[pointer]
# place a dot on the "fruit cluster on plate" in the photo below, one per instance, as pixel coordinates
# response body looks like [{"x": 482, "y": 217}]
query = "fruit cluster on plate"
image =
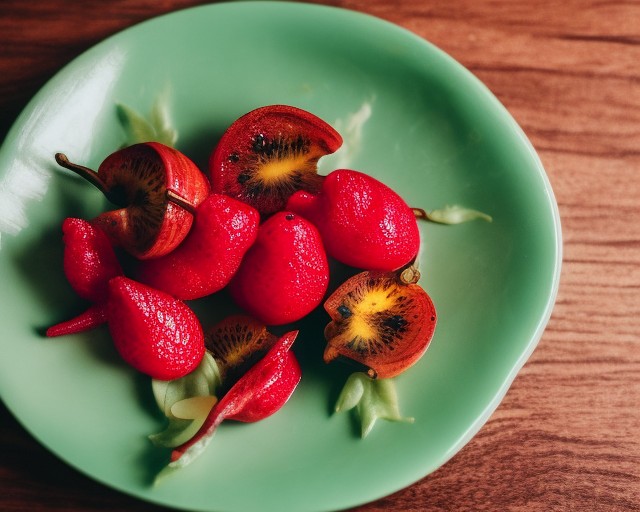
[{"x": 263, "y": 225}]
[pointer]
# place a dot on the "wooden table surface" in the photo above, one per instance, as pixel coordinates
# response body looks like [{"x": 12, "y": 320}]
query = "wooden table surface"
[{"x": 567, "y": 435}]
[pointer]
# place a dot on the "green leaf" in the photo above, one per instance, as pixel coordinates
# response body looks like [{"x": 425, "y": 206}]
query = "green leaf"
[
  {"x": 203, "y": 381},
  {"x": 178, "y": 432},
  {"x": 191, "y": 454},
  {"x": 351, "y": 393},
  {"x": 194, "y": 407},
  {"x": 453, "y": 215},
  {"x": 161, "y": 124},
  {"x": 373, "y": 399},
  {"x": 140, "y": 129},
  {"x": 191, "y": 397}
]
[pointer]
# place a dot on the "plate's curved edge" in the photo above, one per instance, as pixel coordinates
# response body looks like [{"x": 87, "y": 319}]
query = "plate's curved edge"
[{"x": 544, "y": 319}]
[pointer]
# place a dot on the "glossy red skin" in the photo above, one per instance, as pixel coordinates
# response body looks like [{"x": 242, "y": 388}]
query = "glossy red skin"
[
  {"x": 258, "y": 394},
  {"x": 363, "y": 222},
  {"x": 182, "y": 176},
  {"x": 89, "y": 261},
  {"x": 268, "y": 121},
  {"x": 89, "y": 264},
  {"x": 155, "y": 333},
  {"x": 222, "y": 232},
  {"x": 415, "y": 340},
  {"x": 89, "y": 319},
  {"x": 285, "y": 274}
]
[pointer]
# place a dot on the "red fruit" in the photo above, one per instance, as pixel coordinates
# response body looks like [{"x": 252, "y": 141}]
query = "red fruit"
[
  {"x": 93, "y": 317},
  {"x": 89, "y": 261},
  {"x": 285, "y": 274},
  {"x": 236, "y": 342},
  {"x": 269, "y": 153},
  {"x": 259, "y": 393},
  {"x": 157, "y": 188},
  {"x": 155, "y": 333},
  {"x": 363, "y": 222},
  {"x": 89, "y": 264},
  {"x": 380, "y": 319},
  {"x": 205, "y": 262}
]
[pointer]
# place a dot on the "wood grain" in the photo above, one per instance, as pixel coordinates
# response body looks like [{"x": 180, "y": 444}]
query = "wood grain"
[{"x": 566, "y": 437}]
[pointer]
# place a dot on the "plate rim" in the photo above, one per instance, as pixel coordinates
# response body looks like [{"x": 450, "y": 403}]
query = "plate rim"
[{"x": 489, "y": 96}]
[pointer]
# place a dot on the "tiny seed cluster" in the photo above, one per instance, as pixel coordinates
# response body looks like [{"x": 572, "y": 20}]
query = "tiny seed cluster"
[
  {"x": 375, "y": 316},
  {"x": 276, "y": 166}
]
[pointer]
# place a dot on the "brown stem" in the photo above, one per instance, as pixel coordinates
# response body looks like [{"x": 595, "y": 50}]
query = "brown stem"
[
  {"x": 421, "y": 214},
  {"x": 181, "y": 201},
  {"x": 88, "y": 174},
  {"x": 409, "y": 275}
]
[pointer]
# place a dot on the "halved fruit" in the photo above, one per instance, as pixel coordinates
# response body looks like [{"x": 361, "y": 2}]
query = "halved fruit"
[
  {"x": 156, "y": 189},
  {"x": 384, "y": 321},
  {"x": 237, "y": 342},
  {"x": 270, "y": 153}
]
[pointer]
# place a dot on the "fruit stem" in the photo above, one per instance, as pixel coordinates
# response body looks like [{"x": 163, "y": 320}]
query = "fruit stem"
[
  {"x": 92, "y": 177},
  {"x": 181, "y": 201},
  {"x": 409, "y": 275},
  {"x": 88, "y": 174},
  {"x": 421, "y": 213}
]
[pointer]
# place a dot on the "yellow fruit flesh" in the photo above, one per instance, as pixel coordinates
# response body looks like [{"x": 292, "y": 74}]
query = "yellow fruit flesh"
[
  {"x": 360, "y": 330},
  {"x": 274, "y": 171}
]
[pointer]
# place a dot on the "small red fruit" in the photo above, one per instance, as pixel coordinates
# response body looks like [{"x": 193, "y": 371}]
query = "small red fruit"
[
  {"x": 269, "y": 153},
  {"x": 363, "y": 222},
  {"x": 222, "y": 232},
  {"x": 259, "y": 393},
  {"x": 157, "y": 189},
  {"x": 89, "y": 264},
  {"x": 285, "y": 274},
  {"x": 153, "y": 332},
  {"x": 383, "y": 320}
]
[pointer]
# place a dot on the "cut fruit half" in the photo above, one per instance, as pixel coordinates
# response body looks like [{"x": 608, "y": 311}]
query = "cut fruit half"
[
  {"x": 237, "y": 342},
  {"x": 156, "y": 189},
  {"x": 270, "y": 153},
  {"x": 381, "y": 321}
]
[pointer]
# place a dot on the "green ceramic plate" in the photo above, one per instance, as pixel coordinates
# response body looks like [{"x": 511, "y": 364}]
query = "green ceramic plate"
[{"x": 412, "y": 117}]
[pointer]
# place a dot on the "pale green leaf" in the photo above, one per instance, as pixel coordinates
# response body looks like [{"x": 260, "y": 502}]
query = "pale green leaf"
[
  {"x": 187, "y": 457},
  {"x": 373, "y": 399},
  {"x": 177, "y": 432},
  {"x": 137, "y": 128},
  {"x": 203, "y": 381},
  {"x": 351, "y": 393},
  {"x": 194, "y": 407},
  {"x": 161, "y": 124},
  {"x": 191, "y": 397},
  {"x": 156, "y": 128}
]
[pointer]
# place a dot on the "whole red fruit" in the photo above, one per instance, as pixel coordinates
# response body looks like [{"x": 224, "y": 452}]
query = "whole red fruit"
[
  {"x": 363, "y": 222},
  {"x": 285, "y": 274},
  {"x": 155, "y": 333},
  {"x": 223, "y": 229}
]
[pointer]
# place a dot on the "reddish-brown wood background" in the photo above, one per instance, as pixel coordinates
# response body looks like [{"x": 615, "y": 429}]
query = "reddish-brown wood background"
[{"x": 567, "y": 436}]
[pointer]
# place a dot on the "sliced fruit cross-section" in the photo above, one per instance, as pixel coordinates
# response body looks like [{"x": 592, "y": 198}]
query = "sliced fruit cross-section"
[
  {"x": 269, "y": 153},
  {"x": 379, "y": 321}
]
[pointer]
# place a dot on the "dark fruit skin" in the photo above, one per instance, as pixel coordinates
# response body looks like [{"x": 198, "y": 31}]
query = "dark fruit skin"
[
  {"x": 380, "y": 322},
  {"x": 259, "y": 393},
  {"x": 236, "y": 341},
  {"x": 89, "y": 264},
  {"x": 363, "y": 222},
  {"x": 155, "y": 333},
  {"x": 268, "y": 154},
  {"x": 157, "y": 189},
  {"x": 285, "y": 274},
  {"x": 222, "y": 232}
]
